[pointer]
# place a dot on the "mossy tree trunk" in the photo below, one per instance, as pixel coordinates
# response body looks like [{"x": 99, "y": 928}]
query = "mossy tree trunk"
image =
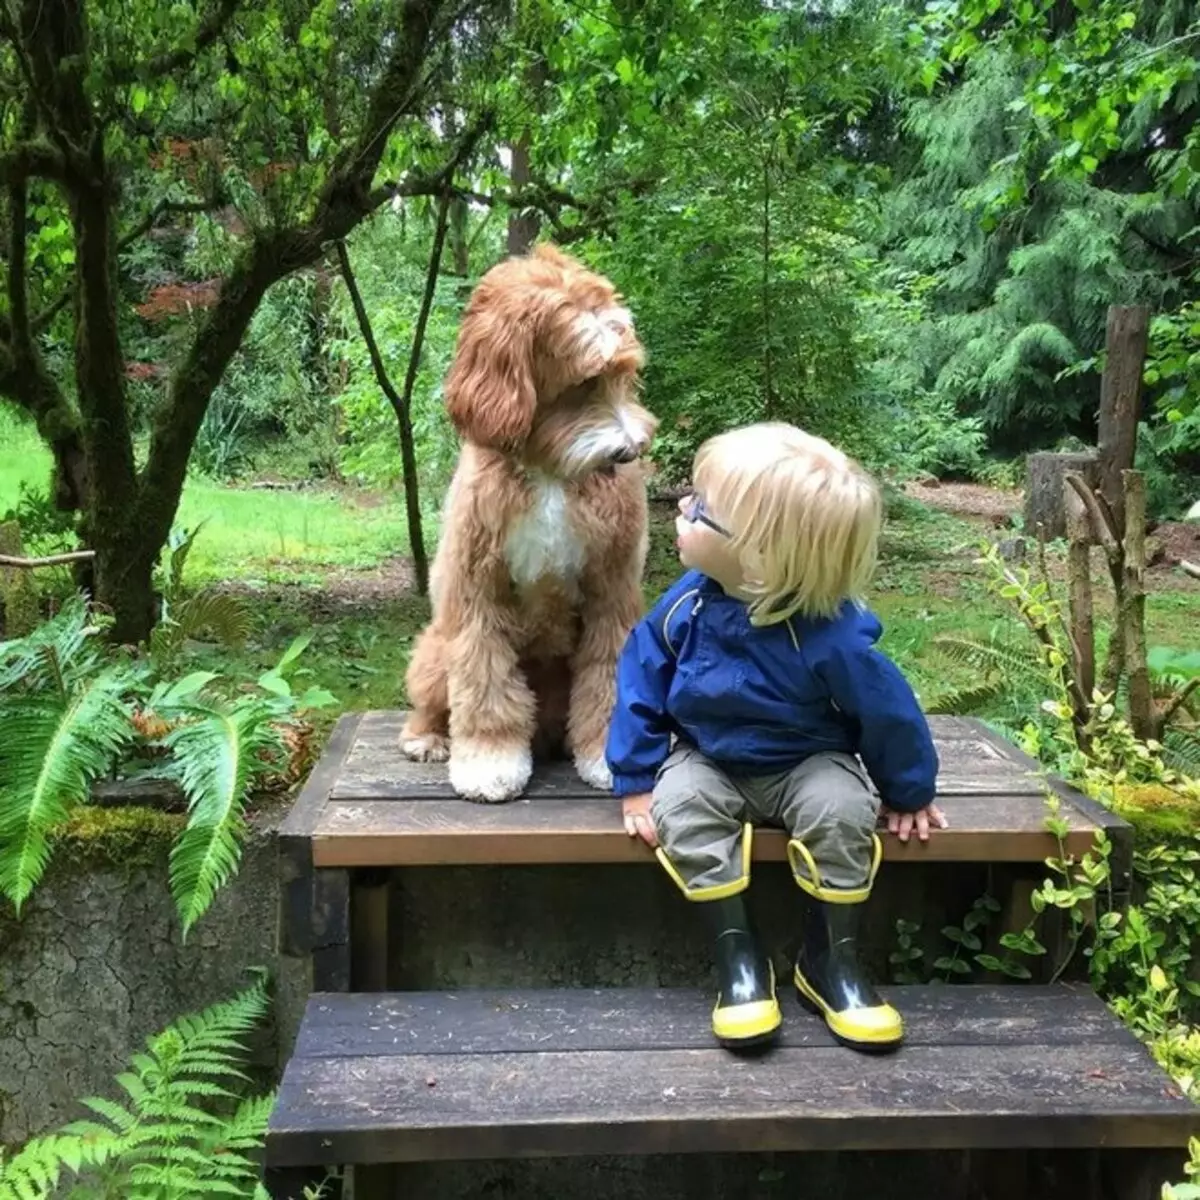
[{"x": 126, "y": 511}]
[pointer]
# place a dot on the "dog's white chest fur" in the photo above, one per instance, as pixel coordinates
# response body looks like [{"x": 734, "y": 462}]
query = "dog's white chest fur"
[{"x": 542, "y": 542}]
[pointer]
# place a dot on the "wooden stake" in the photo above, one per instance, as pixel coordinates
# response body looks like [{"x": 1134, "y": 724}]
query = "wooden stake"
[{"x": 1121, "y": 401}]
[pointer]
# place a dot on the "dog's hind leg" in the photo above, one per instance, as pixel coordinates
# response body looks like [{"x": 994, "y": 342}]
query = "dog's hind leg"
[{"x": 425, "y": 736}]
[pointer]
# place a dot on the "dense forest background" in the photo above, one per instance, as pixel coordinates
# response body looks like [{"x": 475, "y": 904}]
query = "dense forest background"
[{"x": 899, "y": 225}]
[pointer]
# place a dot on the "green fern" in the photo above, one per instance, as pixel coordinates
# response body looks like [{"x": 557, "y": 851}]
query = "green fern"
[
  {"x": 999, "y": 656},
  {"x": 164, "y": 1143},
  {"x": 217, "y": 754},
  {"x": 1181, "y": 750},
  {"x": 226, "y": 617},
  {"x": 61, "y": 727}
]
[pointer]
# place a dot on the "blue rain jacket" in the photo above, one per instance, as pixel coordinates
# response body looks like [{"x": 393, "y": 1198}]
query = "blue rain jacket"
[{"x": 758, "y": 699}]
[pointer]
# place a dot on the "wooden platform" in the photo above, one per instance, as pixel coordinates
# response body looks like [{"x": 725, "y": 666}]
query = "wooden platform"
[
  {"x": 409, "y": 1077},
  {"x": 366, "y": 806}
]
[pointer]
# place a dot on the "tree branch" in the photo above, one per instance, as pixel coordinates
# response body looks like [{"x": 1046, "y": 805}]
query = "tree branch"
[
  {"x": 18, "y": 296},
  {"x": 1177, "y": 702},
  {"x": 51, "y": 560},
  {"x": 30, "y": 159},
  {"x": 171, "y": 61},
  {"x": 344, "y": 201},
  {"x": 439, "y": 183}
]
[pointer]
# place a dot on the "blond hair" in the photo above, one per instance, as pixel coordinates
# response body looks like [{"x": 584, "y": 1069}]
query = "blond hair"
[{"x": 804, "y": 518}]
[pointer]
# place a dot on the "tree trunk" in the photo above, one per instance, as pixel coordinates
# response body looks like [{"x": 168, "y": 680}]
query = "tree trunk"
[
  {"x": 125, "y": 561},
  {"x": 522, "y": 226},
  {"x": 1121, "y": 402},
  {"x": 1079, "y": 597},
  {"x": 1045, "y": 516},
  {"x": 1132, "y": 617}
]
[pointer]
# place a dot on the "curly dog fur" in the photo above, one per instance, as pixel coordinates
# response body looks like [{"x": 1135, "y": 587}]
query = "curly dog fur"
[{"x": 536, "y": 581}]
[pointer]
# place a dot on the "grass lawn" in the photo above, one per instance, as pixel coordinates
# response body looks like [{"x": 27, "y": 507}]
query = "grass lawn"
[
  {"x": 333, "y": 563},
  {"x": 271, "y": 536},
  {"x": 23, "y": 459}
]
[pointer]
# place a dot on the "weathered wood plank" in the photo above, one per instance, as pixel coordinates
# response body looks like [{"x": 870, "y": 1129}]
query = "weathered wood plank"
[
  {"x": 971, "y": 764},
  {"x": 544, "y": 1019},
  {"x": 1118, "y": 830},
  {"x": 996, "y": 828},
  {"x": 427, "y": 1107},
  {"x": 294, "y": 845}
]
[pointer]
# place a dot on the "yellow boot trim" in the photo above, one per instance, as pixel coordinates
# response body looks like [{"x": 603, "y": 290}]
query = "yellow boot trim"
[
  {"x": 799, "y": 857},
  {"x": 879, "y": 1025},
  {"x": 716, "y": 891},
  {"x": 748, "y": 1022}
]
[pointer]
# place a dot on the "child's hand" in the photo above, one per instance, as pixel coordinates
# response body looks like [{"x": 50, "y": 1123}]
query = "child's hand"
[
  {"x": 636, "y": 811},
  {"x": 902, "y": 824}
]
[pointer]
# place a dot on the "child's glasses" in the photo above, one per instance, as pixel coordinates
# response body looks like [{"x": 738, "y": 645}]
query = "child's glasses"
[{"x": 694, "y": 511}]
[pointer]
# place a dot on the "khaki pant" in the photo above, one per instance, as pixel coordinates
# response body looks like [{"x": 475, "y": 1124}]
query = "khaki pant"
[{"x": 699, "y": 811}]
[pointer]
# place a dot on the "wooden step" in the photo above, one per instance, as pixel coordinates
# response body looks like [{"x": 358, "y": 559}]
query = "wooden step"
[
  {"x": 368, "y": 806},
  {"x": 410, "y": 1077}
]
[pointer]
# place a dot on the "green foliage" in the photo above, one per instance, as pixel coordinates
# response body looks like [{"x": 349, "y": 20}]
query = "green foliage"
[
  {"x": 181, "y": 1134},
  {"x": 62, "y": 725},
  {"x": 72, "y": 712},
  {"x": 390, "y": 258}
]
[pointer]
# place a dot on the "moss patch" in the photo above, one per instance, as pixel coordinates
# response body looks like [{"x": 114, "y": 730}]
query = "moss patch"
[
  {"x": 1158, "y": 812},
  {"x": 122, "y": 837}
]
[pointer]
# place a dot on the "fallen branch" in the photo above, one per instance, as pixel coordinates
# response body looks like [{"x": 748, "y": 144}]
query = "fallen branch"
[
  {"x": 1190, "y": 568},
  {"x": 51, "y": 560}
]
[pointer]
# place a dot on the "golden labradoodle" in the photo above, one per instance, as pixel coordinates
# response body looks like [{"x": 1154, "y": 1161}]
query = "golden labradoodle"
[{"x": 536, "y": 582}]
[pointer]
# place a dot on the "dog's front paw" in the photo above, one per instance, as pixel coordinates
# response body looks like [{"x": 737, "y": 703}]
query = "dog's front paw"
[
  {"x": 488, "y": 772},
  {"x": 595, "y": 772},
  {"x": 425, "y": 747}
]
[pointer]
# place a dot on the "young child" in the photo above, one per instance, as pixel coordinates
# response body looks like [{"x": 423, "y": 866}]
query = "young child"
[{"x": 748, "y": 696}]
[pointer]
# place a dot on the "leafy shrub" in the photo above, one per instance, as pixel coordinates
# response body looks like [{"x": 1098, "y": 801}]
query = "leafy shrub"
[{"x": 71, "y": 711}]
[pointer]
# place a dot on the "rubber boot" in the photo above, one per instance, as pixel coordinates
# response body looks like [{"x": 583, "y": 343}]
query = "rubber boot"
[
  {"x": 747, "y": 1011},
  {"x": 829, "y": 979}
]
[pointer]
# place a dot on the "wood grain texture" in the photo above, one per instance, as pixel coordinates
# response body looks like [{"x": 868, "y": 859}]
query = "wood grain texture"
[
  {"x": 511, "y": 1020},
  {"x": 971, "y": 764},
  {"x": 366, "y": 806},
  {"x": 991, "y": 1070},
  {"x": 297, "y": 892},
  {"x": 994, "y": 828}
]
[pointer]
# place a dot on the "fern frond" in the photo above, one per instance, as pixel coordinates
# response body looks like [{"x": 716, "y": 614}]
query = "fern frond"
[
  {"x": 963, "y": 701},
  {"x": 248, "y": 1125},
  {"x": 999, "y": 656},
  {"x": 57, "y": 650},
  {"x": 1181, "y": 750},
  {"x": 40, "y": 1166},
  {"x": 49, "y": 755},
  {"x": 217, "y": 755},
  {"x": 226, "y": 617}
]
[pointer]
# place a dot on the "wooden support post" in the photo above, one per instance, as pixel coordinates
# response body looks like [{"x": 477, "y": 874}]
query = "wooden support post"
[
  {"x": 1121, "y": 401},
  {"x": 1079, "y": 592},
  {"x": 1045, "y": 473},
  {"x": 369, "y": 929},
  {"x": 1131, "y": 620}
]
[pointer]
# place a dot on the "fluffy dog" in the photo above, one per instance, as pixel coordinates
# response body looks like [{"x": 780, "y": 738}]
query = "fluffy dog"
[{"x": 537, "y": 579}]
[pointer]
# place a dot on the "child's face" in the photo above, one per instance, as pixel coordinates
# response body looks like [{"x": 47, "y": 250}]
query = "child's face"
[{"x": 703, "y": 542}]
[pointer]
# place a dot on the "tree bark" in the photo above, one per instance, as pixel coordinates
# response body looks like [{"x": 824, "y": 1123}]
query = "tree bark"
[
  {"x": 1045, "y": 475},
  {"x": 1131, "y": 625},
  {"x": 1079, "y": 597},
  {"x": 1121, "y": 402},
  {"x": 523, "y": 224}
]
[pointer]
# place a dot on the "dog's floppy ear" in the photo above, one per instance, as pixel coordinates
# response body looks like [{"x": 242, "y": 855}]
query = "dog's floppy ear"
[{"x": 490, "y": 392}]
